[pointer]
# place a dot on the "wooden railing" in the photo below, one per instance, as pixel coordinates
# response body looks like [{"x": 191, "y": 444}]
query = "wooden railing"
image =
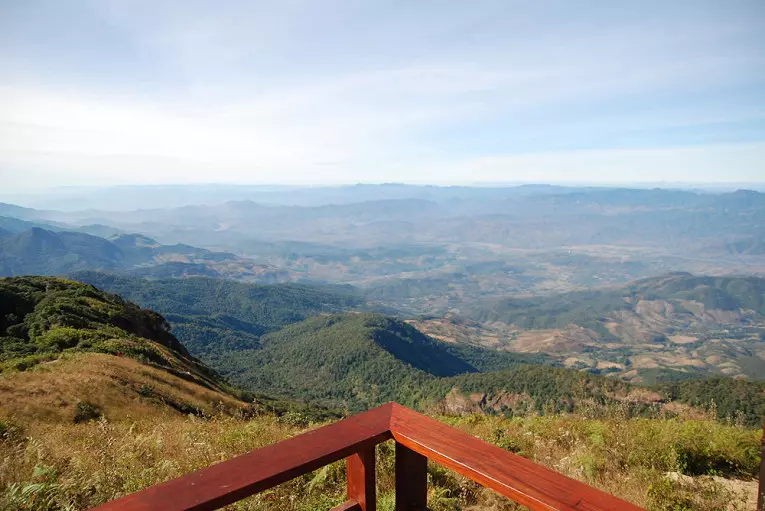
[{"x": 418, "y": 438}]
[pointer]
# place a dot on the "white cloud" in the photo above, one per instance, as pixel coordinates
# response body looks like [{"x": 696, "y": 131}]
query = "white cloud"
[{"x": 268, "y": 92}]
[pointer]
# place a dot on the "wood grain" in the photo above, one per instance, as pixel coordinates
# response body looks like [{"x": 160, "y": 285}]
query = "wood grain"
[
  {"x": 418, "y": 438},
  {"x": 360, "y": 469},
  {"x": 349, "y": 505},
  {"x": 523, "y": 481},
  {"x": 411, "y": 480},
  {"x": 232, "y": 480}
]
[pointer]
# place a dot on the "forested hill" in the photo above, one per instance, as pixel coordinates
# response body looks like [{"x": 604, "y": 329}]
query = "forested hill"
[
  {"x": 49, "y": 315},
  {"x": 357, "y": 361},
  {"x": 213, "y": 316},
  {"x": 71, "y": 352}
]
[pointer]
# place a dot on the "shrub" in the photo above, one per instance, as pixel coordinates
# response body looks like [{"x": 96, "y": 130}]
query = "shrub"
[{"x": 86, "y": 412}]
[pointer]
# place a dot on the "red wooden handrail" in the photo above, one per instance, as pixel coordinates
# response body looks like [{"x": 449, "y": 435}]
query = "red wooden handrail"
[{"x": 417, "y": 437}]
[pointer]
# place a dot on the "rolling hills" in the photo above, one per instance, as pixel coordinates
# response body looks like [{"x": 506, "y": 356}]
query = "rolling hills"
[
  {"x": 214, "y": 315},
  {"x": 432, "y": 249},
  {"x": 27, "y": 249},
  {"x": 258, "y": 336},
  {"x": 357, "y": 361},
  {"x": 673, "y": 326},
  {"x": 69, "y": 352}
]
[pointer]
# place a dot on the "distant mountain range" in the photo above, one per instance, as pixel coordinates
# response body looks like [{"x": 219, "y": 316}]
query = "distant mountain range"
[
  {"x": 38, "y": 251},
  {"x": 547, "y": 275},
  {"x": 510, "y": 216},
  {"x": 444, "y": 247}
]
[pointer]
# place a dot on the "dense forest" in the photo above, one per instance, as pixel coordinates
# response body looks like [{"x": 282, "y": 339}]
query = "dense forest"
[
  {"x": 356, "y": 361},
  {"x": 212, "y": 316},
  {"x": 42, "y": 316}
]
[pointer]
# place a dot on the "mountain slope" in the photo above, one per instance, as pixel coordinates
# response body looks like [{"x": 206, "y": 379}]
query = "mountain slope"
[
  {"x": 27, "y": 249},
  {"x": 67, "y": 349},
  {"x": 212, "y": 315},
  {"x": 43, "y": 252},
  {"x": 358, "y": 361}
]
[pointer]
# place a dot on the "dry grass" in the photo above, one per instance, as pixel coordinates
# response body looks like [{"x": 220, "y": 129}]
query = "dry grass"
[
  {"x": 71, "y": 466},
  {"x": 632, "y": 458},
  {"x": 118, "y": 386},
  {"x": 47, "y": 461},
  {"x": 79, "y": 466}
]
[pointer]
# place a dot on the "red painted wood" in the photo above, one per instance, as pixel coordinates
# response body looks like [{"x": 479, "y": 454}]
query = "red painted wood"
[
  {"x": 235, "y": 479},
  {"x": 349, "y": 505},
  {"x": 411, "y": 480},
  {"x": 360, "y": 469},
  {"x": 521, "y": 480},
  {"x": 417, "y": 438}
]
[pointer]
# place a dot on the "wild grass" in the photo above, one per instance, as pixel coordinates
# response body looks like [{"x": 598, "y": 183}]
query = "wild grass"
[{"x": 75, "y": 466}]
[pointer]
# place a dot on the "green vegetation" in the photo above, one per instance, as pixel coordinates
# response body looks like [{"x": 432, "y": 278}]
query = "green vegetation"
[
  {"x": 213, "y": 317},
  {"x": 41, "y": 317},
  {"x": 357, "y": 361},
  {"x": 56, "y": 467},
  {"x": 731, "y": 397}
]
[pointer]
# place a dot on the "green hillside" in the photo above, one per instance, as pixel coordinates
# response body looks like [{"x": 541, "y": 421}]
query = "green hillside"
[
  {"x": 253, "y": 335},
  {"x": 358, "y": 361},
  {"x": 69, "y": 352},
  {"x": 42, "y": 317},
  {"x": 66, "y": 347},
  {"x": 42, "y": 252},
  {"x": 211, "y": 315}
]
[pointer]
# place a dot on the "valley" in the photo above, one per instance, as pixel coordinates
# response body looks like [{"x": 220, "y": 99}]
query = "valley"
[
  {"x": 603, "y": 309},
  {"x": 382, "y": 256}
]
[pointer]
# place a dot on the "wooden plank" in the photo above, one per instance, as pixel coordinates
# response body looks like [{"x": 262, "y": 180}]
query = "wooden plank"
[
  {"x": 235, "y": 479},
  {"x": 761, "y": 489},
  {"x": 411, "y": 480},
  {"x": 521, "y": 480},
  {"x": 349, "y": 505},
  {"x": 360, "y": 468}
]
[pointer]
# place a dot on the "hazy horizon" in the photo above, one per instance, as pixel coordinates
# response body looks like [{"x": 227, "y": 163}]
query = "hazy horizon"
[{"x": 108, "y": 93}]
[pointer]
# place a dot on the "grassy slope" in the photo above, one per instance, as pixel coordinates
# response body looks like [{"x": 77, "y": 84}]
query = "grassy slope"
[
  {"x": 116, "y": 387},
  {"x": 69, "y": 351},
  {"x": 57, "y": 466}
]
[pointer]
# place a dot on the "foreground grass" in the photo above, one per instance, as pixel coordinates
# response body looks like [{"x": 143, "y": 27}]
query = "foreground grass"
[{"x": 75, "y": 466}]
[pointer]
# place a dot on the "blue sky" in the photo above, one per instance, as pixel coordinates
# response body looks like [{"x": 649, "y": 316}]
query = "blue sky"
[{"x": 115, "y": 92}]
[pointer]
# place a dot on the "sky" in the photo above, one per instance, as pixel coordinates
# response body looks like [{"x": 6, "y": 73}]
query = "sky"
[{"x": 109, "y": 92}]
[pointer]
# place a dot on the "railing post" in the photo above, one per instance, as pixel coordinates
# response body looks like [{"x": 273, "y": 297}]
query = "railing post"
[
  {"x": 411, "y": 480},
  {"x": 360, "y": 469},
  {"x": 761, "y": 491}
]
